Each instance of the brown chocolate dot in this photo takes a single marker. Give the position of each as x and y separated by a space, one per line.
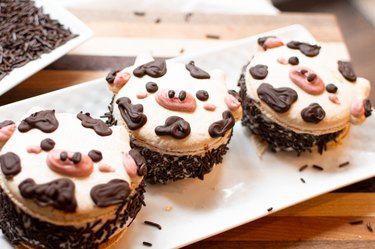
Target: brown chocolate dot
182 95
202 95
293 60
152 87
47 144
95 155
10 164
259 71
314 113
331 88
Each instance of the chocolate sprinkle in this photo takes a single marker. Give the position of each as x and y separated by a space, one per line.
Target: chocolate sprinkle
44 120
132 114
347 71
305 48
318 167
202 95
303 167
369 227
368 107
96 124
112 193
6 123
259 71
175 127
219 128
293 60
344 164
20 227
152 87
314 113
145 243
47 144
57 193
279 99
302 180
152 224
269 209
111 76
211 36
95 155
10 164
153 69
196 72
331 88
139 161
278 137
356 222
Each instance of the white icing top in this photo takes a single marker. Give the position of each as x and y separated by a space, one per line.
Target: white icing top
70 136
178 78
337 107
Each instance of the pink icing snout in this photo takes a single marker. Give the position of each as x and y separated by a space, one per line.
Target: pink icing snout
6 132
272 42
357 109
232 103
129 164
121 79
175 103
307 80
67 167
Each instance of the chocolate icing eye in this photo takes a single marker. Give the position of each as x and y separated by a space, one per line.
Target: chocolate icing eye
96 124
47 144
331 88
112 193
44 120
174 126
196 72
293 60
259 71
219 128
202 95
10 164
347 71
279 99
152 87
305 48
132 114
153 69
314 113
95 155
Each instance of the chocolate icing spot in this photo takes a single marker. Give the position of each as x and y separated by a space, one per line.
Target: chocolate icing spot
171 94
140 161
347 71
305 48
58 193
95 155
293 60
112 193
63 156
279 99
331 88
6 123
182 95
76 158
202 95
368 107
132 114
111 76
47 144
259 71
152 87
219 128
262 40
153 69
96 124
314 113
44 120
10 164
174 126
196 72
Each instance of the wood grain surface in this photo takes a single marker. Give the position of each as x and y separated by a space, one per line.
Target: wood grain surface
322 222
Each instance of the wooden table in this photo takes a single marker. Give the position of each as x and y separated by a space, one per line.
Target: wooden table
323 222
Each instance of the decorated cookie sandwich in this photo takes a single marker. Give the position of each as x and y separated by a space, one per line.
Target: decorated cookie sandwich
179 116
67 181
296 97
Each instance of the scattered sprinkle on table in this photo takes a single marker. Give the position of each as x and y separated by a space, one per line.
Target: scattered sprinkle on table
356 222
210 36
369 227
344 164
145 243
270 209
152 224
139 13
302 180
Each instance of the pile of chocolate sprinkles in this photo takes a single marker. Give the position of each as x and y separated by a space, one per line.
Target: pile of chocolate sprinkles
26 33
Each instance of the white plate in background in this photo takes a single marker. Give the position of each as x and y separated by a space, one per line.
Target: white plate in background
241 189
67 19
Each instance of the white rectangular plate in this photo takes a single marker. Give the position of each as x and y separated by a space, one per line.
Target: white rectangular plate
56 12
242 188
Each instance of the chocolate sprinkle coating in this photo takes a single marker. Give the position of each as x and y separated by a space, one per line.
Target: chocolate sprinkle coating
96 124
305 48
153 69
20 227
259 71
278 137
132 114
279 99
175 127
58 193
331 88
111 76
112 193
140 161
47 144
44 120
162 168
314 113
368 107
293 60
347 71
6 123
10 164
219 128
95 155
202 95
152 87
196 72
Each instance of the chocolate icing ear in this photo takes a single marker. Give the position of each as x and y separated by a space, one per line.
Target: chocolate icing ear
111 193
196 72
44 120
96 124
347 71
153 69
219 128
174 126
132 114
